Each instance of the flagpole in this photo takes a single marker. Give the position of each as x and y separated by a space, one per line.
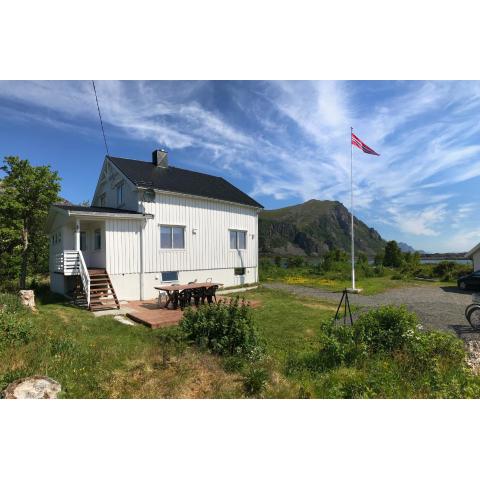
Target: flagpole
351 209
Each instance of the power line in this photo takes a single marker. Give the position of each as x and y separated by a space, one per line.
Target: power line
100 116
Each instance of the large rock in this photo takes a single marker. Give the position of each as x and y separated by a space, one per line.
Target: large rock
473 355
27 297
33 387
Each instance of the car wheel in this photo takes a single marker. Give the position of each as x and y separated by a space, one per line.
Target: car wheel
472 306
463 286
474 317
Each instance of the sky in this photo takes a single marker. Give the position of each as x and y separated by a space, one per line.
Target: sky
282 142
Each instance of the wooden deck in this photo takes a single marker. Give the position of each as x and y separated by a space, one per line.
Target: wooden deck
147 313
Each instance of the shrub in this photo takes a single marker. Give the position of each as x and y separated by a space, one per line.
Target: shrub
16 327
222 328
10 303
255 381
432 347
386 328
295 262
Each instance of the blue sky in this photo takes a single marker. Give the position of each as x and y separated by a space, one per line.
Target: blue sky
281 142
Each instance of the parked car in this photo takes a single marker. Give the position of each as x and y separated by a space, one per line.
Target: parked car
471 281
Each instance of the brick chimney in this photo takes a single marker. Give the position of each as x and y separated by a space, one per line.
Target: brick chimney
160 158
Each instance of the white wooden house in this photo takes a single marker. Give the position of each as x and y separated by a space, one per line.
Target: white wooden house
151 223
474 254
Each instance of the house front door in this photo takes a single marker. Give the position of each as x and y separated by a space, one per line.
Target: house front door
84 247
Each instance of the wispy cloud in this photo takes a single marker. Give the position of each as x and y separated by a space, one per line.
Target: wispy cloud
291 139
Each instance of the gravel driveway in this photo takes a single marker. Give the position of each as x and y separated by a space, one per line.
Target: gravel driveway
437 307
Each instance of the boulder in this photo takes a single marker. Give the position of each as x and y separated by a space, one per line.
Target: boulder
33 387
27 297
473 355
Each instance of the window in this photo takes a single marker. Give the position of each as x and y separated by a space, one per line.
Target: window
120 194
98 239
83 241
239 271
102 199
169 276
238 239
172 237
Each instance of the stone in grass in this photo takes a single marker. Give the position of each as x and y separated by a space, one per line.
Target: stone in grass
33 387
27 297
473 355
124 320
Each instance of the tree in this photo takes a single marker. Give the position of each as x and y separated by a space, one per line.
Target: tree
26 194
362 259
393 255
295 262
379 258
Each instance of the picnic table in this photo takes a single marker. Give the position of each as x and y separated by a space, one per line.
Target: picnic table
182 295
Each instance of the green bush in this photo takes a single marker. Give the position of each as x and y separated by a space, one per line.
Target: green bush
16 327
223 328
295 262
385 354
386 328
255 381
448 271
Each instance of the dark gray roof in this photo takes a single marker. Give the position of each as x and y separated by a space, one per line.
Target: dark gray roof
178 180
81 208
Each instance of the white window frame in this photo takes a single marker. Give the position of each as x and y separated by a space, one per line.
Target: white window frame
95 236
170 281
120 189
102 199
171 227
237 231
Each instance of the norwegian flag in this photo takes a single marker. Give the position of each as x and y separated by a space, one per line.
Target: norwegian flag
362 146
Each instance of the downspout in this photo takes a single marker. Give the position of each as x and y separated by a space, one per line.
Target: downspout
142 227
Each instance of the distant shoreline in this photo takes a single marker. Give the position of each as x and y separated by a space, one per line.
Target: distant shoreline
443 256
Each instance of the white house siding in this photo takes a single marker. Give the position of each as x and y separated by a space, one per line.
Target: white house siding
207 252
57 283
476 260
209 247
122 240
110 177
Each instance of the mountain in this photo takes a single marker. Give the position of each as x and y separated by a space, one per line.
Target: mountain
313 228
405 247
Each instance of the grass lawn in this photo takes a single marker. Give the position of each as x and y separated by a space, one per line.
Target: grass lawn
370 286
102 358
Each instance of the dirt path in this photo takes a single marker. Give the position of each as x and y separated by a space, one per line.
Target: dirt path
437 307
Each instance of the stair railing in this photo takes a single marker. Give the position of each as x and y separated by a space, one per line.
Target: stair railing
84 275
